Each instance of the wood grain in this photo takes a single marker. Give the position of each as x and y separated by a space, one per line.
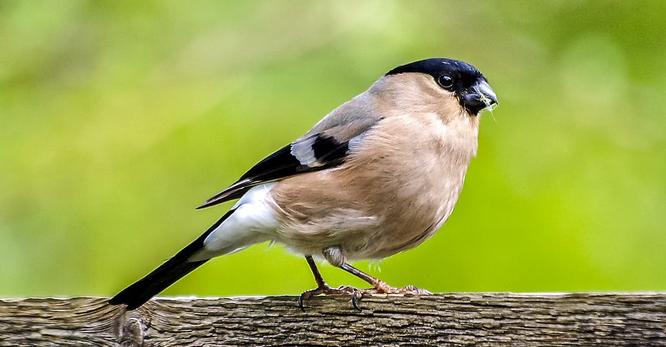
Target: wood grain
637 319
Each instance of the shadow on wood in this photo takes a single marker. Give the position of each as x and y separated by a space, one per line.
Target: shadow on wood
441 319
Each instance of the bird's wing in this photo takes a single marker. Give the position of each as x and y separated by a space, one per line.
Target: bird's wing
313 152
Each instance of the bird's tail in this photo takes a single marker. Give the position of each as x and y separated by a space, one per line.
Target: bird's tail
165 275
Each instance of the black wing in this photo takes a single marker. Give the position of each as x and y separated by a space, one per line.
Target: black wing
312 153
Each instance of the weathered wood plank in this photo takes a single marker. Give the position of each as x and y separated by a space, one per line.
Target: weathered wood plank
443 319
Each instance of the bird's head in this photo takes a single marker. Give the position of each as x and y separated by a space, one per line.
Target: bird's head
439 82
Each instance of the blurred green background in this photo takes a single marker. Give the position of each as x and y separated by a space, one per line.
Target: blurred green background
117 118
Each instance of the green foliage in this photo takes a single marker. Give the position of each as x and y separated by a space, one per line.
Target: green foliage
118 118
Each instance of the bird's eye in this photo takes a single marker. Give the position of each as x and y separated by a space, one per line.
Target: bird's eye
445 81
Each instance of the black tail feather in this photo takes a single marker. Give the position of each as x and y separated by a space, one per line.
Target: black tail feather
138 293
165 275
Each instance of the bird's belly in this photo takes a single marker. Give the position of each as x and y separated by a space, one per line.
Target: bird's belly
402 218
405 224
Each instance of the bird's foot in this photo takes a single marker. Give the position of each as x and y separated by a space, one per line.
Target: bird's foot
383 288
355 294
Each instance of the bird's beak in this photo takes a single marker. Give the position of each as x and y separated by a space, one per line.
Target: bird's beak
478 97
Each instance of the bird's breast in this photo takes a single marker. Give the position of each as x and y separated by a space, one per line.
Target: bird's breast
415 187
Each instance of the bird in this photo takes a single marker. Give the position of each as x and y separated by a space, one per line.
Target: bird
376 176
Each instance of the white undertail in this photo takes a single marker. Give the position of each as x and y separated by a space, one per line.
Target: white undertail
252 221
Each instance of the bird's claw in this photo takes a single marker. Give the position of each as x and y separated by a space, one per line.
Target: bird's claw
356 295
383 288
412 290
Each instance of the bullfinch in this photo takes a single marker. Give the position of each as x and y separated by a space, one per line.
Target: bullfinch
378 175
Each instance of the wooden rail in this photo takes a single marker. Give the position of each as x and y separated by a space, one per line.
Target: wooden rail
637 319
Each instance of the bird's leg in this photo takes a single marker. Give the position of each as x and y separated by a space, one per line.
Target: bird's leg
323 288
315 272
377 284
380 286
